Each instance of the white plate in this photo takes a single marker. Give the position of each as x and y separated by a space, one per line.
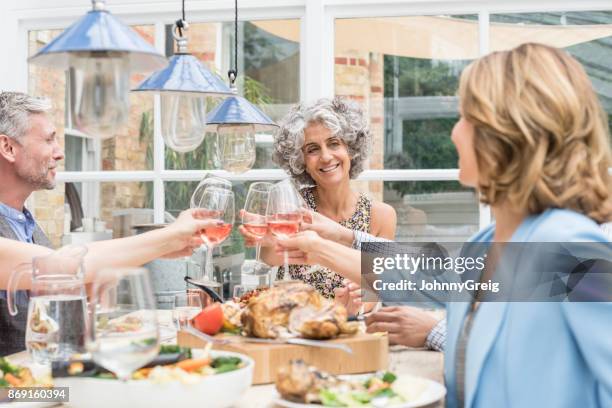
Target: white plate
432 392
214 391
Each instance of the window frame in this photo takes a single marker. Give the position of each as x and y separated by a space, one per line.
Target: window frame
317 18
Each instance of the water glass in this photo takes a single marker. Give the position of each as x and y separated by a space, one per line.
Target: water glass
186 306
128 338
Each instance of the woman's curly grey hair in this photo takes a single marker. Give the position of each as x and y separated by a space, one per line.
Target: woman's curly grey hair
343 118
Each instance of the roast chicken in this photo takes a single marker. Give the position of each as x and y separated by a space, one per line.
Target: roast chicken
302 383
295 309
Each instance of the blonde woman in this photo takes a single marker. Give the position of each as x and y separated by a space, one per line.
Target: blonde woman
533 140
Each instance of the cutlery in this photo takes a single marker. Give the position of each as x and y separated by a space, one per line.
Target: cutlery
300 342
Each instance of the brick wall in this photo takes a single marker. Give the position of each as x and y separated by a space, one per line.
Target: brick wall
123 152
48 205
359 77
126 151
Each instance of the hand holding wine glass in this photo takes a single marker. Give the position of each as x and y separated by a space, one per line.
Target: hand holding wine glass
217 204
254 212
284 214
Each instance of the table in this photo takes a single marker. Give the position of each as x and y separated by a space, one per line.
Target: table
402 360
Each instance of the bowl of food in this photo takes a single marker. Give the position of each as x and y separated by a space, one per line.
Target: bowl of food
214 379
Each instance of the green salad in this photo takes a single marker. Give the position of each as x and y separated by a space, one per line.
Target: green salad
362 393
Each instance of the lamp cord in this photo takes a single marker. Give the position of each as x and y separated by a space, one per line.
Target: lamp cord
180 23
233 73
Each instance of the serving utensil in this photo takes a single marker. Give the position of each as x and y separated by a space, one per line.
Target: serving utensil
299 342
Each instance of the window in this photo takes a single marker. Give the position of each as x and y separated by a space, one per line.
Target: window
268 76
404 71
400 60
586 35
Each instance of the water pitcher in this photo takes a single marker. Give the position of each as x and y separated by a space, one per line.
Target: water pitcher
57 307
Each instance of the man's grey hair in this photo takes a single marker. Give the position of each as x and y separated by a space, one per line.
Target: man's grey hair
343 118
15 108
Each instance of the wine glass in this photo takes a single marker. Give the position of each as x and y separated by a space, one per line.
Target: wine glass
284 214
217 204
127 338
186 306
254 217
208 181
196 198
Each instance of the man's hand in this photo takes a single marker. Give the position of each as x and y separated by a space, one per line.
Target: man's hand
186 232
250 240
406 326
326 228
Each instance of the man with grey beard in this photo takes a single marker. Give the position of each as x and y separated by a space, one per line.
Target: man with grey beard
29 155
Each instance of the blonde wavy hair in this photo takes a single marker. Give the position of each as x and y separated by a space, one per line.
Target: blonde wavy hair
541 136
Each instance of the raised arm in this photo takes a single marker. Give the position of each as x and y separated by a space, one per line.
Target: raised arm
178 239
13 253
309 248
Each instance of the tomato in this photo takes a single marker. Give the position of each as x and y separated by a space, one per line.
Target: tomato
209 320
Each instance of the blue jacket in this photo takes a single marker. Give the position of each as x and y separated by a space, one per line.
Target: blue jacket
535 354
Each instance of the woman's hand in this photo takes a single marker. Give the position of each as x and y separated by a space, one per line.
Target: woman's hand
251 240
349 296
186 232
326 228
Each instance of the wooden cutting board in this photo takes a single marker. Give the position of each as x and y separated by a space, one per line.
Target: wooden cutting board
370 353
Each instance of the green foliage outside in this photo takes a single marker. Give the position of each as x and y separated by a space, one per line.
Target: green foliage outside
426 142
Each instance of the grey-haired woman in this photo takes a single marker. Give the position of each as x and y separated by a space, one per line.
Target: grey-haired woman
322 146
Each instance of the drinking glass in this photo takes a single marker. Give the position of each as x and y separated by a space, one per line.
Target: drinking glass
194 202
255 274
239 291
254 218
218 204
186 306
284 214
127 338
208 181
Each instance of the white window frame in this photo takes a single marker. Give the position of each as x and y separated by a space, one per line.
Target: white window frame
316 58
